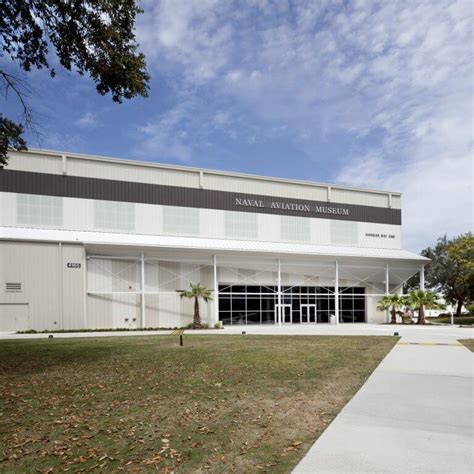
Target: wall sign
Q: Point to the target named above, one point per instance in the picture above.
(73, 265)
(292, 206)
(379, 236)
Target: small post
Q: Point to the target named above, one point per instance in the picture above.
(336, 292)
(180, 339)
(279, 312)
(387, 291)
(216, 291)
(142, 288)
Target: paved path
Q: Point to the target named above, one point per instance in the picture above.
(413, 415)
(414, 332)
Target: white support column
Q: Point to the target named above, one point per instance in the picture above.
(336, 293)
(61, 297)
(387, 291)
(216, 292)
(279, 312)
(143, 289)
(422, 278)
(85, 288)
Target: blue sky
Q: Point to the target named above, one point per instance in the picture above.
(365, 93)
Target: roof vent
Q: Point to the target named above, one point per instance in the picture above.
(12, 286)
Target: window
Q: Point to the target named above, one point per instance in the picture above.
(295, 229)
(181, 220)
(241, 225)
(112, 215)
(39, 210)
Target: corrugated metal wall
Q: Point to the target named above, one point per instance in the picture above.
(113, 170)
(53, 293)
(80, 214)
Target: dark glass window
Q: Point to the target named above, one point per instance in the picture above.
(253, 304)
(224, 304)
(238, 303)
(359, 303)
(253, 317)
(253, 289)
(224, 316)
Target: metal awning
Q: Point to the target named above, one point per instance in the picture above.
(100, 239)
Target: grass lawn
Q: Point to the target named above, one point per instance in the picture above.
(469, 343)
(461, 320)
(220, 403)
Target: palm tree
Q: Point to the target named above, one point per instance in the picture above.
(197, 291)
(392, 303)
(421, 300)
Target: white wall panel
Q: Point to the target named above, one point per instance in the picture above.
(347, 196)
(396, 202)
(79, 214)
(54, 294)
(35, 162)
(72, 283)
(131, 172)
(264, 187)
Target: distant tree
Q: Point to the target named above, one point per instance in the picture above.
(451, 270)
(94, 37)
(421, 300)
(197, 291)
(392, 303)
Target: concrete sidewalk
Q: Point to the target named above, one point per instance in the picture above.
(410, 332)
(413, 415)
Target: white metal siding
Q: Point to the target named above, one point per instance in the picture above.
(54, 294)
(80, 215)
(37, 163)
(103, 168)
(14, 317)
(130, 172)
(264, 187)
(347, 196)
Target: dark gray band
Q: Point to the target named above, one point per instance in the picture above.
(27, 182)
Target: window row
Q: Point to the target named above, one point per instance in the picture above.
(121, 216)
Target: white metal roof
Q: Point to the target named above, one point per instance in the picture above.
(193, 243)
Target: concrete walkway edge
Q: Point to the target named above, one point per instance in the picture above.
(413, 415)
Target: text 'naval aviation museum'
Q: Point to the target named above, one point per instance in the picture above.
(342, 211)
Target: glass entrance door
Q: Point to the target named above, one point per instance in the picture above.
(308, 313)
(283, 311)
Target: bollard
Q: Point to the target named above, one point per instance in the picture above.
(181, 340)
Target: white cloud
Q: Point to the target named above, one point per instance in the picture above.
(165, 138)
(399, 69)
(88, 119)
